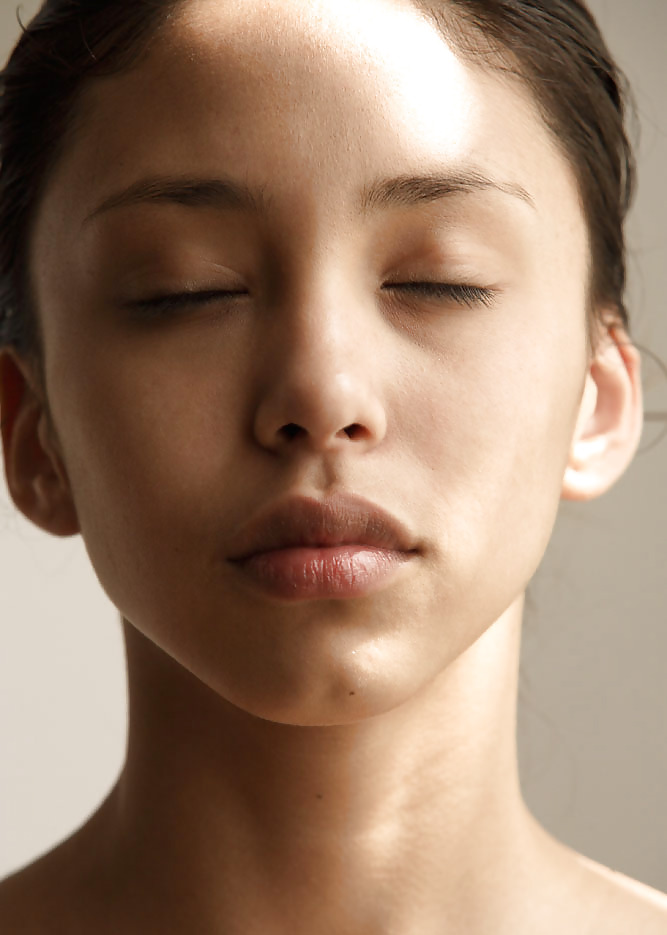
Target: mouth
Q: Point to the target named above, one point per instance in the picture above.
(305, 549)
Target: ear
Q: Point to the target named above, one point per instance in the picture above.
(610, 420)
(36, 476)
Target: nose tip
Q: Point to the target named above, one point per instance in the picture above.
(321, 370)
(325, 415)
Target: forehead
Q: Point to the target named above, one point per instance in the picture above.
(308, 101)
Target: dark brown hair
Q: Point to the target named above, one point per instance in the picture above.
(65, 46)
(554, 46)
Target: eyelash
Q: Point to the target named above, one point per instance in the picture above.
(461, 293)
(174, 302)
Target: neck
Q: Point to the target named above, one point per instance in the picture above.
(398, 822)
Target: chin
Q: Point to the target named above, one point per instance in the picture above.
(331, 689)
(332, 712)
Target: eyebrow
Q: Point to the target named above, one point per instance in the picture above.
(219, 193)
(403, 191)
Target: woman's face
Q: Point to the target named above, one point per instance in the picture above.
(170, 416)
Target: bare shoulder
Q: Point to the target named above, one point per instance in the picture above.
(51, 896)
(625, 905)
(26, 900)
(56, 894)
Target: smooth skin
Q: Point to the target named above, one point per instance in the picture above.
(323, 766)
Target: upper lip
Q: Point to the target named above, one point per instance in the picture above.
(342, 519)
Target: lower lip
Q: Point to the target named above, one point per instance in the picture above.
(343, 571)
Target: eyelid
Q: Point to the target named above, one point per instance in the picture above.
(463, 293)
(173, 301)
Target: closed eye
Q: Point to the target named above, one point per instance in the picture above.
(170, 303)
(460, 293)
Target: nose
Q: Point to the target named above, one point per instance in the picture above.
(320, 384)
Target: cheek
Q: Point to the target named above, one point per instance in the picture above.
(149, 406)
(151, 443)
(493, 438)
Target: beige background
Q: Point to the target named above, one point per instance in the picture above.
(593, 688)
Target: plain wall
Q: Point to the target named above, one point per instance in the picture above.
(593, 694)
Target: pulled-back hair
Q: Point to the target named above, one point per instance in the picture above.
(554, 46)
(66, 45)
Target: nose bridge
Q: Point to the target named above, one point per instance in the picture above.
(320, 384)
(323, 321)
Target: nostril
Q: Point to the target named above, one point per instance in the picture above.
(354, 431)
(291, 430)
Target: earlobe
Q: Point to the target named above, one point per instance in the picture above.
(36, 477)
(609, 424)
